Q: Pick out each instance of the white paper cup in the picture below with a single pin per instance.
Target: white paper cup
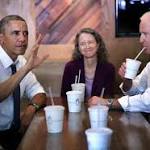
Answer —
(79, 87)
(54, 118)
(74, 101)
(99, 138)
(132, 67)
(98, 116)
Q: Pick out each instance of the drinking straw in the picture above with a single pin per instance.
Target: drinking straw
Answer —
(139, 53)
(102, 92)
(51, 96)
(79, 75)
(76, 78)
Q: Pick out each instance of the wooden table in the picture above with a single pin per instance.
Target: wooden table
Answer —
(130, 132)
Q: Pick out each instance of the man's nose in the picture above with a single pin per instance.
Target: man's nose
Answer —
(141, 38)
(22, 37)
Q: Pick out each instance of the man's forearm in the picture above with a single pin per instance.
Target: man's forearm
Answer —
(127, 84)
(39, 100)
(116, 105)
(29, 112)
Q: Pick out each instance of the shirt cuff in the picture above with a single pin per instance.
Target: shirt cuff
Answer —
(121, 87)
(124, 102)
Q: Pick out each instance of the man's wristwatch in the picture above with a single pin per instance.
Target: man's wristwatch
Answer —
(110, 102)
(36, 106)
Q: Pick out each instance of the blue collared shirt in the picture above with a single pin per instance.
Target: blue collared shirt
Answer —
(29, 86)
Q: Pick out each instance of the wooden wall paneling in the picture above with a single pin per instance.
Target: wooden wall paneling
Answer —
(67, 20)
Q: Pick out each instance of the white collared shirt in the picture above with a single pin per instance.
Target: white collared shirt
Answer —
(137, 99)
(29, 86)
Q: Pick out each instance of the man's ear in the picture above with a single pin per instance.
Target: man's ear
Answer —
(1, 38)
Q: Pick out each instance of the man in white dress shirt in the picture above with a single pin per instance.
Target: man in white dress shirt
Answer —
(13, 44)
(137, 91)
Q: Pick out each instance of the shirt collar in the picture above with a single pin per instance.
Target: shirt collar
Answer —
(5, 59)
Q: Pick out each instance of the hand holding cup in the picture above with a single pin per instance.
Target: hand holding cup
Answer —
(122, 70)
(132, 67)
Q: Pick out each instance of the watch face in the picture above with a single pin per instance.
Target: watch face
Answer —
(110, 101)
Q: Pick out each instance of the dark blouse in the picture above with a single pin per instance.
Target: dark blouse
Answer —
(104, 77)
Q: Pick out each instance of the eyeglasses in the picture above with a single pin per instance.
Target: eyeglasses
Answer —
(87, 44)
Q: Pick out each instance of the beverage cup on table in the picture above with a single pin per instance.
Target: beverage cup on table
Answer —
(79, 87)
(74, 101)
(54, 118)
(99, 138)
(132, 67)
(98, 116)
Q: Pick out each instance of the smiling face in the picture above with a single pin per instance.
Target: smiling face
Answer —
(88, 45)
(14, 38)
(145, 32)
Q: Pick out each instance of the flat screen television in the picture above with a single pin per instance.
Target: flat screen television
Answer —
(127, 16)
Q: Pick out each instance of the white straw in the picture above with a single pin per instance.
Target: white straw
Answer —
(79, 75)
(139, 53)
(76, 78)
(102, 92)
(51, 96)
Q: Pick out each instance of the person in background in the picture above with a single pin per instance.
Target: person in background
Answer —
(13, 44)
(137, 91)
(89, 56)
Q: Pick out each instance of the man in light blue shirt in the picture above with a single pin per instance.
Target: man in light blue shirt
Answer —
(13, 44)
(137, 91)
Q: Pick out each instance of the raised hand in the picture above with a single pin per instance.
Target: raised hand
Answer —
(34, 60)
